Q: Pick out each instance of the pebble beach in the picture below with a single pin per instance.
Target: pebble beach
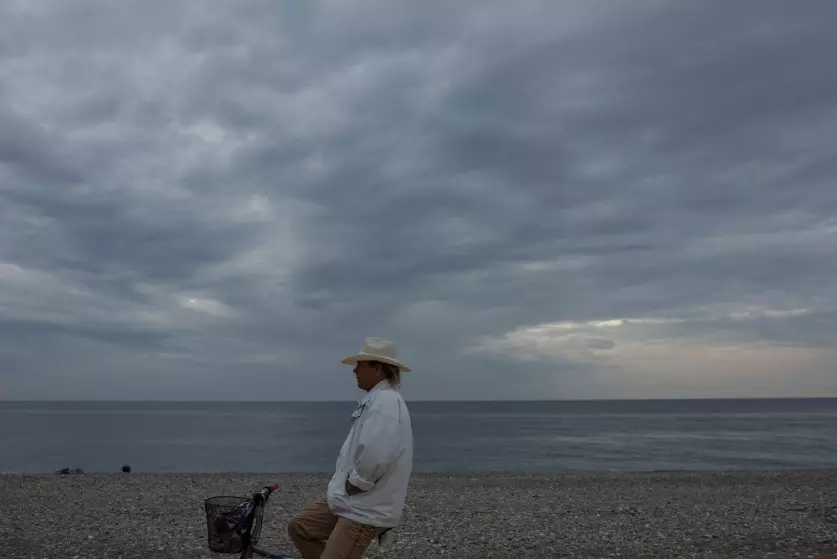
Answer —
(775, 514)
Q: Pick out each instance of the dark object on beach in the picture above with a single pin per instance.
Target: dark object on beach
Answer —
(66, 471)
(126, 468)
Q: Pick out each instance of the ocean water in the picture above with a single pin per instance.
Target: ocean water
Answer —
(39, 437)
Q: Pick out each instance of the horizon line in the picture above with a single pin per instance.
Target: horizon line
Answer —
(454, 401)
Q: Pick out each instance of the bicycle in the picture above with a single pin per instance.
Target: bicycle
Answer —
(234, 524)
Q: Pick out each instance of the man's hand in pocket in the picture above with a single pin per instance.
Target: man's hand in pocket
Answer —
(351, 489)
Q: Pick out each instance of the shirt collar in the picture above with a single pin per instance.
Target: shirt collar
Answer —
(383, 385)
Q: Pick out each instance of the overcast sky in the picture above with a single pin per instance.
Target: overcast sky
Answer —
(219, 200)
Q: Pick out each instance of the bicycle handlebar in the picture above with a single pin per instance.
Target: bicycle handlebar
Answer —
(265, 493)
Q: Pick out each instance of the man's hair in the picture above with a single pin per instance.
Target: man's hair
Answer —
(391, 372)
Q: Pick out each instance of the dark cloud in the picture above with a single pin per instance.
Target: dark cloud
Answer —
(234, 197)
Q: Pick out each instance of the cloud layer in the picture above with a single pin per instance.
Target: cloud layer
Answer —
(535, 199)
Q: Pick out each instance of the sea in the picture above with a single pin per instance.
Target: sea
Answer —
(456, 437)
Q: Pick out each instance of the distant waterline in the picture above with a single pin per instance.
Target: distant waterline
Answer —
(579, 435)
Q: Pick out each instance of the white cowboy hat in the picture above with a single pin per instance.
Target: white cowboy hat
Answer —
(377, 349)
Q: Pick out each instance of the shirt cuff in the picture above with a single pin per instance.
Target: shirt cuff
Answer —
(359, 482)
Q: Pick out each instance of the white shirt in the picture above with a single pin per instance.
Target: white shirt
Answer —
(377, 458)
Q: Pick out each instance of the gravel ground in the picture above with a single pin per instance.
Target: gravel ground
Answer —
(774, 514)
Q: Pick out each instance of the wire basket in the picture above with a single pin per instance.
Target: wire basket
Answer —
(233, 523)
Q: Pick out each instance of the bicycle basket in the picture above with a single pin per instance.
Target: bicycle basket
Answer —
(233, 523)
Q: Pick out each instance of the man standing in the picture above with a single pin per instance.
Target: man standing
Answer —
(366, 495)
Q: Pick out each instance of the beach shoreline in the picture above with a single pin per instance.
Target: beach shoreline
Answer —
(766, 513)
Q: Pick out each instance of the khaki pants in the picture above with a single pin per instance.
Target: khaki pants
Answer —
(319, 534)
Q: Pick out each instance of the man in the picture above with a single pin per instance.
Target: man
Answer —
(366, 495)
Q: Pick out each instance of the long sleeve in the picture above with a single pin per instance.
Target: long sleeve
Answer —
(378, 445)
(377, 459)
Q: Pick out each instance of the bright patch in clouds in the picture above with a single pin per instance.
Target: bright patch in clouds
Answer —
(206, 306)
(657, 353)
(563, 339)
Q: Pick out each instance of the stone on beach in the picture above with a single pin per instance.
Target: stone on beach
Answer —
(768, 514)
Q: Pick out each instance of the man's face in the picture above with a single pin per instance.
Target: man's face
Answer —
(368, 375)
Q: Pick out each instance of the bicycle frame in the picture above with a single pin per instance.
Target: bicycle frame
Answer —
(269, 555)
(260, 500)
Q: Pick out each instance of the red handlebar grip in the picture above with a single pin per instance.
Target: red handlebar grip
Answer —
(274, 486)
